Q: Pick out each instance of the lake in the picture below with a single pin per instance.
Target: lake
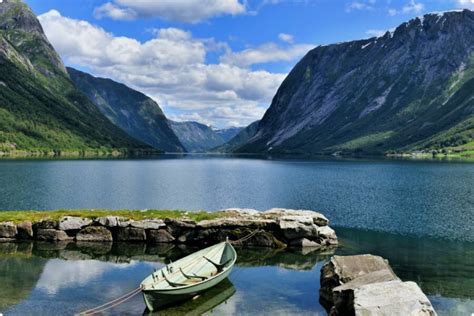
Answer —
(418, 214)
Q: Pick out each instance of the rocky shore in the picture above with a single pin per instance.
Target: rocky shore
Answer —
(367, 285)
(275, 228)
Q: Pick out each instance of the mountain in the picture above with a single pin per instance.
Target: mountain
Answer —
(227, 134)
(196, 137)
(132, 111)
(409, 89)
(240, 139)
(40, 109)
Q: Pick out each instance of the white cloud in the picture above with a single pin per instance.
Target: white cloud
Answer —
(187, 11)
(269, 52)
(375, 33)
(411, 7)
(468, 4)
(286, 37)
(360, 5)
(171, 68)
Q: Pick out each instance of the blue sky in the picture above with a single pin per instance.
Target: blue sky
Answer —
(215, 61)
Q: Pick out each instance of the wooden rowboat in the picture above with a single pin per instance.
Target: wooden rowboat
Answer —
(188, 276)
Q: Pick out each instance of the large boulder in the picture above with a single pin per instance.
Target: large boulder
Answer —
(296, 227)
(230, 222)
(94, 233)
(51, 235)
(345, 276)
(46, 224)
(158, 236)
(318, 218)
(392, 298)
(148, 224)
(130, 234)
(25, 230)
(327, 235)
(8, 230)
(73, 223)
(112, 221)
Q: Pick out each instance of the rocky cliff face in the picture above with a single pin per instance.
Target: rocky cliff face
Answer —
(411, 88)
(132, 111)
(40, 109)
(197, 137)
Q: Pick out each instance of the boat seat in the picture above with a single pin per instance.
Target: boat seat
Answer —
(193, 276)
(172, 284)
(219, 266)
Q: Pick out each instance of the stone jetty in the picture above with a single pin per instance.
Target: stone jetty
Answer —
(276, 228)
(367, 285)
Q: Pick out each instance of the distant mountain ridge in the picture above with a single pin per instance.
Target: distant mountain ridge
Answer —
(197, 137)
(132, 111)
(40, 109)
(409, 89)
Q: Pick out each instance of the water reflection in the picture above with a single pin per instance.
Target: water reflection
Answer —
(38, 278)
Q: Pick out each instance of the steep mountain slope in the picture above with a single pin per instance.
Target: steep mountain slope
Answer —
(40, 109)
(409, 89)
(132, 111)
(241, 138)
(227, 134)
(197, 137)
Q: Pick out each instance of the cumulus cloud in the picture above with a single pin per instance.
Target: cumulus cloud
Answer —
(187, 11)
(171, 68)
(269, 52)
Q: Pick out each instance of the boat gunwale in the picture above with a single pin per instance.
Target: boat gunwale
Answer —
(230, 266)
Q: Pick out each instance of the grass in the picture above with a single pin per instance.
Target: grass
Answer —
(36, 216)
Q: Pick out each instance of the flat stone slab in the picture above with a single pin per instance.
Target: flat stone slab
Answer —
(73, 223)
(395, 298)
(349, 268)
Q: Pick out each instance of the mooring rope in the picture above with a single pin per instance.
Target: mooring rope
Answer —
(112, 303)
(129, 295)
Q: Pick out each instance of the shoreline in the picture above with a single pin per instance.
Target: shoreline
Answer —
(274, 228)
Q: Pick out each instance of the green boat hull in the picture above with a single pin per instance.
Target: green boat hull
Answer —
(159, 293)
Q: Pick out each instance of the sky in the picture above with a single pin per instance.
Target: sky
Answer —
(218, 62)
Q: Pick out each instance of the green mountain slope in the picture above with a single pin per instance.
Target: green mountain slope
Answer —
(240, 139)
(132, 111)
(410, 89)
(40, 109)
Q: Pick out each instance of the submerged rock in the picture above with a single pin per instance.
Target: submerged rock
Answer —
(94, 233)
(8, 230)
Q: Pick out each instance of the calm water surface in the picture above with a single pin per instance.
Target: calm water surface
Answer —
(419, 215)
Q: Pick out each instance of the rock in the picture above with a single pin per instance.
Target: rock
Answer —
(46, 224)
(94, 233)
(130, 234)
(148, 224)
(159, 236)
(8, 230)
(392, 298)
(51, 235)
(303, 242)
(7, 240)
(327, 235)
(73, 223)
(242, 211)
(318, 218)
(345, 276)
(295, 227)
(232, 222)
(177, 227)
(25, 230)
(112, 221)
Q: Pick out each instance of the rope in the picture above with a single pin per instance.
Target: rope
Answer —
(113, 303)
(245, 238)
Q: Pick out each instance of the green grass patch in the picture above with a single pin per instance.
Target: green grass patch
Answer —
(36, 216)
